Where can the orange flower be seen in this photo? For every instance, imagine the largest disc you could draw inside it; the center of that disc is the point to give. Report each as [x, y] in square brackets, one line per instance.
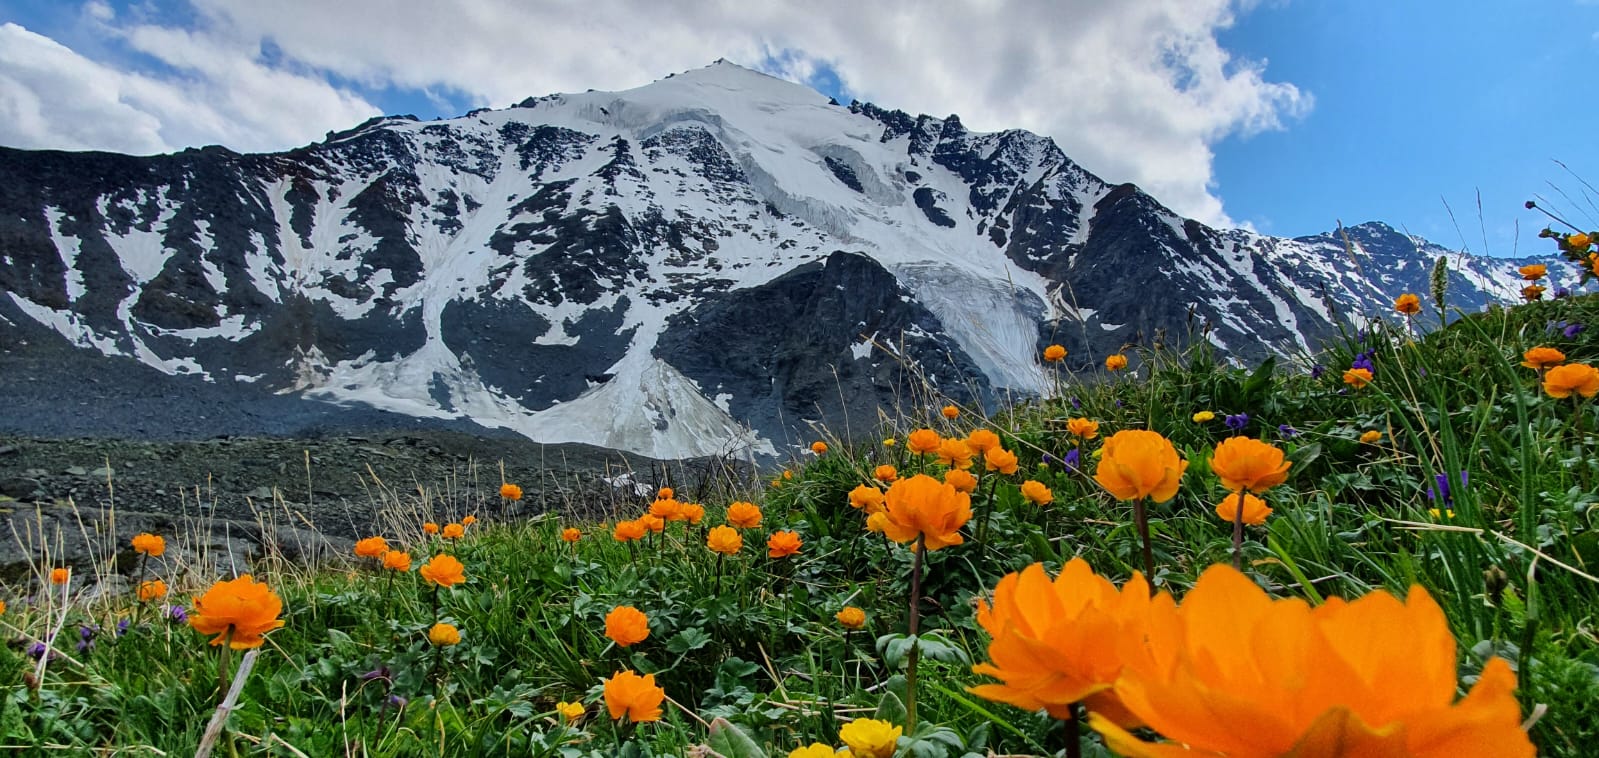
[155, 589]
[60, 575]
[397, 560]
[454, 531]
[866, 497]
[1115, 362]
[652, 523]
[1255, 509]
[510, 491]
[1562, 381]
[667, 509]
[571, 534]
[1001, 460]
[1373, 677]
[1540, 358]
[1082, 427]
[956, 453]
[1578, 243]
[443, 570]
[239, 612]
[1357, 377]
[744, 515]
[1054, 354]
[922, 506]
[819, 447]
[468, 520]
[149, 544]
[885, 473]
[851, 618]
[430, 528]
[1245, 463]
[724, 540]
[626, 625]
[950, 412]
[961, 480]
[665, 493]
[1533, 272]
[693, 512]
[636, 697]
[444, 635]
[1532, 292]
[627, 531]
[1055, 642]
[876, 522]
[1408, 304]
[1371, 436]
[923, 441]
[782, 544]
[1037, 493]
[1135, 464]
[982, 440]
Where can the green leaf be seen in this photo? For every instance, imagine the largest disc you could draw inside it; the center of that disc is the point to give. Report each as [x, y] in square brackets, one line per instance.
[891, 709]
[730, 741]
[692, 638]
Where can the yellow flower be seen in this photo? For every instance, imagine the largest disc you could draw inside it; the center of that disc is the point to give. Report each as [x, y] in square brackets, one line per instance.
[1580, 378]
[782, 544]
[890, 442]
[956, 453]
[885, 474]
[60, 575]
[1408, 304]
[1082, 427]
[454, 531]
[1037, 492]
[982, 440]
[1245, 463]
[571, 534]
[961, 480]
[1533, 272]
[1001, 460]
[818, 447]
[237, 611]
[510, 491]
[1357, 377]
[1532, 292]
[397, 560]
[814, 750]
[1054, 354]
[1136, 464]
[923, 441]
[1203, 416]
[724, 540]
[155, 589]
[1055, 642]
[870, 738]
[444, 571]
[922, 506]
[950, 412]
[627, 531]
[851, 618]
[1539, 358]
[626, 625]
[1372, 677]
[866, 497]
[636, 697]
[444, 635]
[1371, 436]
[571, 713]
[1450, 513]
[149, 544]
[744, 515]
[1255, 509]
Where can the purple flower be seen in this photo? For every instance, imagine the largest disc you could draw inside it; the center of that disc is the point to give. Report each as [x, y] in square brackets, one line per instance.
[1572, 330]
[397, 701]
[36, 650]
[122, 626]
[381, 672]
[1562, 293]
[1317, 371]
[1287, 431]
[1073, 457]
[1237, 422]
[1439, 489]
[177, 613]
[1364, 361]
[1076, 404]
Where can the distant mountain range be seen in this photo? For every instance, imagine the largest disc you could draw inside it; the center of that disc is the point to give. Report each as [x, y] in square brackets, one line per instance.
[702, 265]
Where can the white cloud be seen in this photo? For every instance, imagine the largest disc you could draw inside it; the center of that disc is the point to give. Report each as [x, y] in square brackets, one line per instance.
[1136, 91]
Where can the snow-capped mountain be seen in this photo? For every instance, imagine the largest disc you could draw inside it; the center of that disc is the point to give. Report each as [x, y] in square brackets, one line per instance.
[700, 265]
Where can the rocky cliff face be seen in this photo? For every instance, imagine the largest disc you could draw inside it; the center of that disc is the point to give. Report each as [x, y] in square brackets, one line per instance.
[705, 264]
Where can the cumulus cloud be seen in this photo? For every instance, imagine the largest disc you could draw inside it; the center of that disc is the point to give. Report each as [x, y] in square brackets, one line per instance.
[1134, 91]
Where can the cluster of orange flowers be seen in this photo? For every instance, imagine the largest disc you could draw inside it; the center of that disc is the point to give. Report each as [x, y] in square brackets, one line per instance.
[1561, 379]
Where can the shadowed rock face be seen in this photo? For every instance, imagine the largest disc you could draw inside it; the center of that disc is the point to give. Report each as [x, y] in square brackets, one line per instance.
[718, 244]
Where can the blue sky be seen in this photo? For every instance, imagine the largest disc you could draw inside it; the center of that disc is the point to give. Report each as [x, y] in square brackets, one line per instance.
[1286, 116]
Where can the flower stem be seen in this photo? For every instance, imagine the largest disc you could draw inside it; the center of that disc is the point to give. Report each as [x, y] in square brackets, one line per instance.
[1238, 533]
[1141, 517]
[1074, 734]
[918, 547]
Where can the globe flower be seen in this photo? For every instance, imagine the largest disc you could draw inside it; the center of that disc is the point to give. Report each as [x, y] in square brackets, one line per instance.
[866, 497]
[782, 544]
[744, 515]
[571, 534]
[885, 473]
[870, 738]
[444, 635]
[1204, 416]
[397, 560]
[444, 571]
[1533, 272]
[876, 522]
[1532, 292]
[961, 480]
[1564, 380]
[60, 575]
[651, 522]
[950, 412]
[1371, 436]
[1578, 243]
[818, 447]
[454, 531]
[1357, 377]
[851, 618]
[627, 531]
[238, 611]
[922, 506]
[890, 442]
[1055, 642]
[636, 697]
[155, 589]
[1255, 509]
[1115, 362]
[1001, 460]
[814, 750]
[1245, 463]
[468, 520]
[430, 528]
[1540, 358]
[982, 440]
[724, 540]
[1408, 304]
[1054, 354]
[1441, 513]
[1135, 464]
[1037, 493]
[693, 513]
[923, 441]
[665, 493]
[626, 625]
[667, 509]
[510, 491]
[570, 713]
[1371, 677]
[1084, 428]
[149, 544]
[955, 453]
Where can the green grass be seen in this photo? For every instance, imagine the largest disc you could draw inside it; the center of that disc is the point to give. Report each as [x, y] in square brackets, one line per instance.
[753, 641]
